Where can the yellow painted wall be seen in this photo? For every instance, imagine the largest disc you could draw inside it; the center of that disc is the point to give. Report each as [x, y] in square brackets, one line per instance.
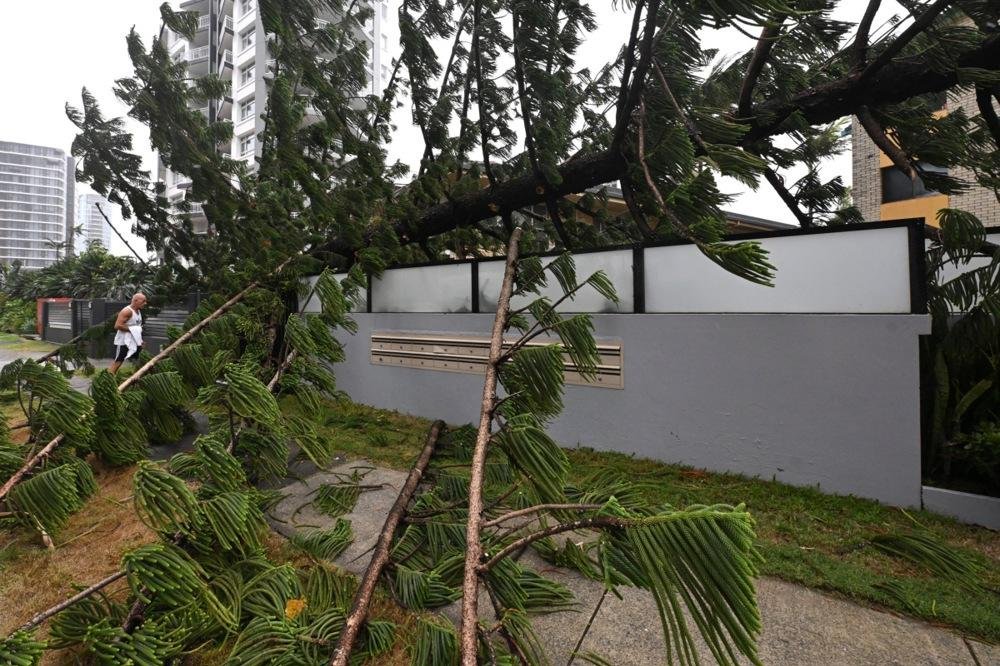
[925, 207]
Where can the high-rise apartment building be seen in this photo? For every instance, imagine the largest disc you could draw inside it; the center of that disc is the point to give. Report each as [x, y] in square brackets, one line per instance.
[36, 203]
[91, 226]
[231, 42]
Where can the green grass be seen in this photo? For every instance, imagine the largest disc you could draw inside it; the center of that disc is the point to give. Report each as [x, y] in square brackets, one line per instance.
[15, 343]
[805, 536]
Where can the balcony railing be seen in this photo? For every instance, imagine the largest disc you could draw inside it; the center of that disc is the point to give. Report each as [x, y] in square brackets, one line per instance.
[204, 21]
[227, 25]
[226, 58]
[197, 54]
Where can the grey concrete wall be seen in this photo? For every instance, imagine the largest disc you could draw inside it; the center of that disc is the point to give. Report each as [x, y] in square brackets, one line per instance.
[822, 400]
[969, 508]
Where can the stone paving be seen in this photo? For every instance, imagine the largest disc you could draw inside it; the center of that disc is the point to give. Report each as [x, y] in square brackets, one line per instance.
[801, 626]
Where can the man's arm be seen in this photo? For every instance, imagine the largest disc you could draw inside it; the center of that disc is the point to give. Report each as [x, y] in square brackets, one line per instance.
[121, 324]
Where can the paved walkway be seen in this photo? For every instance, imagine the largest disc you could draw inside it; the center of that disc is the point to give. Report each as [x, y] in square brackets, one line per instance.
[801, 626]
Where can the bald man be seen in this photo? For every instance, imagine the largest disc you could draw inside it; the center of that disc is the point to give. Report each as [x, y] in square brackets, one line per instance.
[128, 331]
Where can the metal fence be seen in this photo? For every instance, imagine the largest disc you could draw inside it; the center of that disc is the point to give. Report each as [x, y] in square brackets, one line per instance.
[65, 319]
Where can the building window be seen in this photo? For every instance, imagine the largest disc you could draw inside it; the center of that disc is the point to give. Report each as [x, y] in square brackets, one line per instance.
[385, 43]
[247, 39]
[246, 75]
[897, 186]
[247, 144]
[246, 110]
[247, 7]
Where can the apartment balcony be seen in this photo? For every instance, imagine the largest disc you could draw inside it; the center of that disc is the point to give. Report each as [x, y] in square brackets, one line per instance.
[197, 54]
[204, 21]
[225, 108]
[225, 59]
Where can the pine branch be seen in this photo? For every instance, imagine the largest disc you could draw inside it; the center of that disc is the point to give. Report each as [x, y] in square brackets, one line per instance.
[893, 150]
[778, 183]
[39, 618]
[119, 234]
[474, 547]
[601, 522]
[477, 56]
[380, 556]
[540, 508]
[919, 25]
[859, 47]
[768, 38]
[529, 139]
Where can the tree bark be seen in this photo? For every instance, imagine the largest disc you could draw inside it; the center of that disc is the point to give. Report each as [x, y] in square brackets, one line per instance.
[380, 557]
[474, 549]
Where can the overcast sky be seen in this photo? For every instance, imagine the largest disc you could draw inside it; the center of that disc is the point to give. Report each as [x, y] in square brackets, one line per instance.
[49, 50]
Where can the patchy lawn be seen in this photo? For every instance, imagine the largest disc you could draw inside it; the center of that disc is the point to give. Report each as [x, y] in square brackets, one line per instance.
[15, 344]
[88, 549]
[805, 536]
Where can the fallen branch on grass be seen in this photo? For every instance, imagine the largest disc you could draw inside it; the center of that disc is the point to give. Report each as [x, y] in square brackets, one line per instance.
[363, 597]
[79, 596]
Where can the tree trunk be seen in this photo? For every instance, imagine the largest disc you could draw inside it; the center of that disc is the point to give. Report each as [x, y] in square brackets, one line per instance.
[474, 549]
[380, 557]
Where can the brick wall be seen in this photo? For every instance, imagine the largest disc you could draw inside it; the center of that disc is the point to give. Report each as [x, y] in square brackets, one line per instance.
[980, 201]
[866, 186]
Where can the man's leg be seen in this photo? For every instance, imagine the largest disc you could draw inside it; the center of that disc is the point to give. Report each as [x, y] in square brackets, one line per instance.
[120, 353]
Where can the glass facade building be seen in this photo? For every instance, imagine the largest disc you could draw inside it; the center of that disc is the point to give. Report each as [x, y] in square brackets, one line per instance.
[36, 203]
[90, 224]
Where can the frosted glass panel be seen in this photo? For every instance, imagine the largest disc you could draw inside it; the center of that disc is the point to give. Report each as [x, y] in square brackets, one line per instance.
[313, 304]
[617, 264]
[863, 271]
[445, 288]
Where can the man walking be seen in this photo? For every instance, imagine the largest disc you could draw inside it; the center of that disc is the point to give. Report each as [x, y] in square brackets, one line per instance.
[128, 331]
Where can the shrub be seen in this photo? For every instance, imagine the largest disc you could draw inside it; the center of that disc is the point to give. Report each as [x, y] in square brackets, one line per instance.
[16, 315]
[976, 456]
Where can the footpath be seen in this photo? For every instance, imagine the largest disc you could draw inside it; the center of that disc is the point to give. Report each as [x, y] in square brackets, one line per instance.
[801, 626]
